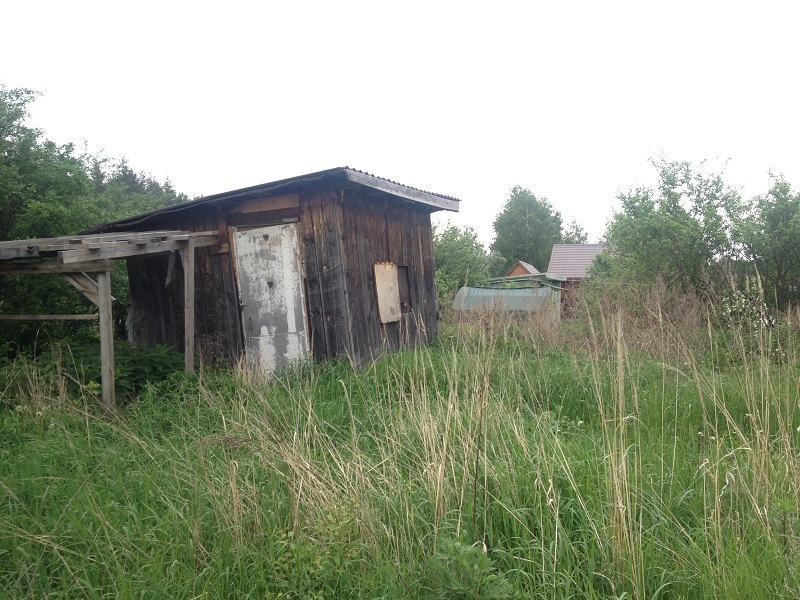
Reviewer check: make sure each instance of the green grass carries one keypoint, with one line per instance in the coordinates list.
(506, 461)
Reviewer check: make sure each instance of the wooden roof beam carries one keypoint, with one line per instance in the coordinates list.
(33, 248)
(33, 268)
(135, 249)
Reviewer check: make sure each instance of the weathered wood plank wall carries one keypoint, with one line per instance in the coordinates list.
(157, 307)
(322, 249)
(343, 231)
(376, 229)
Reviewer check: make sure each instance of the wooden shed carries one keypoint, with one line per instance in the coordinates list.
(334, 263)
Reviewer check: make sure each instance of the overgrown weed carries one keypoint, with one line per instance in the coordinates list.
(605, 457)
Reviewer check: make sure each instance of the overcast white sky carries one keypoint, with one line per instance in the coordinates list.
(468, 99)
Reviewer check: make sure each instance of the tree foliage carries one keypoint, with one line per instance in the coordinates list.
(769, 234)
(574, 234)
(48, 190)
(526, 229)
(43, 186)
(679, 231)
(460, 259)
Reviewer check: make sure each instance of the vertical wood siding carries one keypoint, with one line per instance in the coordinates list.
(376, 230)
(322, 247)
(157, 309)
(343, 232)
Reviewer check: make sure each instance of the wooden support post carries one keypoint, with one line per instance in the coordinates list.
(106, 338)
(187, 259)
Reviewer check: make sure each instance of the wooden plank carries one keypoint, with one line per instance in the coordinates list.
(126, 250)
(392, 234)
(430, 306)
(173, 305)
(206, 322)
(216, 289)
(34, 268)
(107, 244)
(82, 317)
(32, 243)
(139, 324)
(230, 339)
(268, 204)
(416, 275)
(215, 293)
(357, 268)
(106, 338)
(128, 236)
(377, 248)
(187, 260)
(312, 270)
(206, 326)
(262, 219)
(328, 231)
(31, 247)
(85, 285)
(21, 252)
(152, 312)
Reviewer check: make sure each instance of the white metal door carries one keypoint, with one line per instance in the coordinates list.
(271, 296)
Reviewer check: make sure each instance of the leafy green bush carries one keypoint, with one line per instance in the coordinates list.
(466, 571)
(76, 368)
(134, 366)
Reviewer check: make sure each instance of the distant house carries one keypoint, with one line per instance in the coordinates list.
(522, 268)
(573, 260)
(572, 263)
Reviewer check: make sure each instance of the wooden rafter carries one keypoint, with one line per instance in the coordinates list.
(86, 286)
(104, 245)
(80, 317)
(112, 250)
(8, 267)
(78, 255)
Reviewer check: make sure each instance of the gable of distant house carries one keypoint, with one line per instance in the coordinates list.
(522, 268)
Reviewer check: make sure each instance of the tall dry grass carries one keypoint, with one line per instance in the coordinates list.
(642, 449)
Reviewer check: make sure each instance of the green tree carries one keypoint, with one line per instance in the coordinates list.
(526, 229)
(119, 191)
(460, 259)
(769, 234)
(44, 192)
(574, 234)
(17, 144)
(43, 186)
(678, 232)
(47, 190)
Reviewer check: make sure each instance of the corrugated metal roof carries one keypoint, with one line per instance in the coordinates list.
(526, 300)
(286, 186)
(573, 260)
(351, 170)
